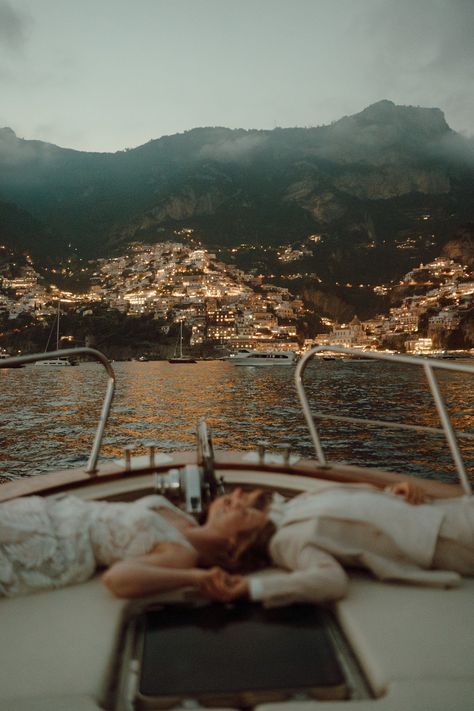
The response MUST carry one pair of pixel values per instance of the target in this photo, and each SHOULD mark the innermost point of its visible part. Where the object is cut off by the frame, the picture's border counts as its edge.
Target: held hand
(216, 584)
(411, 493)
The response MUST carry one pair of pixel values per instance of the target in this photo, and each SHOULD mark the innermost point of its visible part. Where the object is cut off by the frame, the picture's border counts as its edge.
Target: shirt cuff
(255, 588)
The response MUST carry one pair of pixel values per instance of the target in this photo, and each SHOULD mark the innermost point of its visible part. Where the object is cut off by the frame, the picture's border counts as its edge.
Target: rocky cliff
(377, 180)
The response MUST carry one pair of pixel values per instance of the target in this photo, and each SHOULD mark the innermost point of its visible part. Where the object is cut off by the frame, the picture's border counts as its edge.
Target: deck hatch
(237, 654)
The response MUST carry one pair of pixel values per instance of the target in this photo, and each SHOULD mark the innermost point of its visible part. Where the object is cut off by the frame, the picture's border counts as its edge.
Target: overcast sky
(108, 74)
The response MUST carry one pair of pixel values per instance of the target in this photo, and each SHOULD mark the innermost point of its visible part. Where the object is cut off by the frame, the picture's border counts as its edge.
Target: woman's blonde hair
(252, 551)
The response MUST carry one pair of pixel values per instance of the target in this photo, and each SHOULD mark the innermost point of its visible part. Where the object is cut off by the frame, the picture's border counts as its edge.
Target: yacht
(246, 356)
(55, 363)
(384, 647)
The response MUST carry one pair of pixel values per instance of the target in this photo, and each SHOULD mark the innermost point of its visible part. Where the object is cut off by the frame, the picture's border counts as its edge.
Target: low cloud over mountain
(369, 181)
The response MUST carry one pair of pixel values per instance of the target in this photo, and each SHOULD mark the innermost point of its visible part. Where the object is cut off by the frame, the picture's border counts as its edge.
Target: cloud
(13, 27)
(233, 149)
(18, 153)
(420, 53)
(457, 148)
(11, 154)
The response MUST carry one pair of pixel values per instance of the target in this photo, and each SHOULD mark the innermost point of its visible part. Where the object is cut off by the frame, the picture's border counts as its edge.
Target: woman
(395, 534)
(147, 546)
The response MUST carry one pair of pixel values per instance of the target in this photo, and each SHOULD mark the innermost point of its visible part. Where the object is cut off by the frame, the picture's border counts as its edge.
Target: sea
(49, 416)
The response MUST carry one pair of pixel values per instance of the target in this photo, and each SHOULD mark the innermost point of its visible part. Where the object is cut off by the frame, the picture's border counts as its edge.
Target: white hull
(54, 363)
(263, 358)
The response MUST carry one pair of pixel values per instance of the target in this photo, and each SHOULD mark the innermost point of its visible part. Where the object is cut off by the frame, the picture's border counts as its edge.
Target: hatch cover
(236, 655)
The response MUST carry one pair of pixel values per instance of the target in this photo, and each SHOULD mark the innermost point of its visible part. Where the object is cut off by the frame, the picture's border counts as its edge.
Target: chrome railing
(109, 393)
(428, 365)
(205, 456)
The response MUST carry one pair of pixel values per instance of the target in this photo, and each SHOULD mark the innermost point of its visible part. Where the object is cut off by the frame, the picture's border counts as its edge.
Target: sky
(104, 75)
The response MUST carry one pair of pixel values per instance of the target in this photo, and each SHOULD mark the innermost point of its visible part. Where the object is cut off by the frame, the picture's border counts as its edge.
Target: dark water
(48, 418)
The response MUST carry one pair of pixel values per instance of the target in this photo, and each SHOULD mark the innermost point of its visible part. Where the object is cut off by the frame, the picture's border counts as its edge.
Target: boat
(247, 356)
(179, 357)
(384, 647)
(55, 362)
(446, 355)
(359, 356)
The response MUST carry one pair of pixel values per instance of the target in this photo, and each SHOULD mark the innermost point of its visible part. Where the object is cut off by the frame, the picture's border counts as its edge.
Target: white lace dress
(50, 543)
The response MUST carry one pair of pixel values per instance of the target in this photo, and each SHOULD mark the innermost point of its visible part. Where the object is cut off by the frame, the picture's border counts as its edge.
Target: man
(395, 534)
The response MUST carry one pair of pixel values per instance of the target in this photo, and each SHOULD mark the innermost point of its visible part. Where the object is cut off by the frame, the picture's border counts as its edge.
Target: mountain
(20, 230)
(384, 187)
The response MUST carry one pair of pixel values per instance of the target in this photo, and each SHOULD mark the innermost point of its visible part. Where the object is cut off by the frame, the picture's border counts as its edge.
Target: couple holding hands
(150, 546)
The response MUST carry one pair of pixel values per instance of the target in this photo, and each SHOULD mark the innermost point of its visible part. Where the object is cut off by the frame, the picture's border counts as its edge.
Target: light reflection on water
(49, 418)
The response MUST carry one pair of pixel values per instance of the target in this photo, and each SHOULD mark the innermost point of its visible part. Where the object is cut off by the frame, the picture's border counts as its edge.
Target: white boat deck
(54, 659)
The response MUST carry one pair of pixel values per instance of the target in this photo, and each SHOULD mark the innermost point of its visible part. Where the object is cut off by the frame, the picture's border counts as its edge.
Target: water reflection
(49, 419)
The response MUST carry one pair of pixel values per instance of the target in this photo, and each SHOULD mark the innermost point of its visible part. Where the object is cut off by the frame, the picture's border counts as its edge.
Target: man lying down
(395, 533)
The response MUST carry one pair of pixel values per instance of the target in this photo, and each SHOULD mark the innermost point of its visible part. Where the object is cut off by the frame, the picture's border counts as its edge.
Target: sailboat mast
(180, 339)
(57, 325)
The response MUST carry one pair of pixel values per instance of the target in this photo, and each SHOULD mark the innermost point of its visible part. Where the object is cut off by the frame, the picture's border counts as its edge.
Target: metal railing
(428, 365)
(15, 361)
(205, 457)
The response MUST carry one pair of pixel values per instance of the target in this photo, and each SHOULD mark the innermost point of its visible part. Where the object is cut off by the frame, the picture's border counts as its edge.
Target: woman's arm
(132, 578)
(170, 567)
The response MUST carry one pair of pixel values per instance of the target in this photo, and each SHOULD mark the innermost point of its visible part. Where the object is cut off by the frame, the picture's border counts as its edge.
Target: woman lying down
(150, 546)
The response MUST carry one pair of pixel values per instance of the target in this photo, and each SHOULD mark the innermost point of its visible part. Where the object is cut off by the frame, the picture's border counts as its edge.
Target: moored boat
(64, 362)
(55, 362)
(178, 356)
(246, 356)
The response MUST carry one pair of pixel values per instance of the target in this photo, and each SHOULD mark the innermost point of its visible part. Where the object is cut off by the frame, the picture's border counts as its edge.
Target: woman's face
(254, 498)
(234, 513)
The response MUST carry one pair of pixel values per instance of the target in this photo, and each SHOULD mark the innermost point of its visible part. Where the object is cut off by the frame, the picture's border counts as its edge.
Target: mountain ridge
(366, 179)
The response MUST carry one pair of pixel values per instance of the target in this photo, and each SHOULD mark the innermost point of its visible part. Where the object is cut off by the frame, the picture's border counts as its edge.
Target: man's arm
(407, 490)
(316, 577)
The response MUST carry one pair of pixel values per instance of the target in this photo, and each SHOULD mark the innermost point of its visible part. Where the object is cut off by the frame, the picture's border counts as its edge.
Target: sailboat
(181, 358)
(56, 362)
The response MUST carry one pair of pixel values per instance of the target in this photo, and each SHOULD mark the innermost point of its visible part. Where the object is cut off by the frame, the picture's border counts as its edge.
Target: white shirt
(351, 525)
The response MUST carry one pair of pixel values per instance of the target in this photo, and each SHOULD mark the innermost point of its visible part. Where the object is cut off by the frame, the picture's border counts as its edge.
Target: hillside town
(221, 304)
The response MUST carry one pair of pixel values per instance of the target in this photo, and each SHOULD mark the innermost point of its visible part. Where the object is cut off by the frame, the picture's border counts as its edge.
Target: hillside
(21, 231)
(386, 188)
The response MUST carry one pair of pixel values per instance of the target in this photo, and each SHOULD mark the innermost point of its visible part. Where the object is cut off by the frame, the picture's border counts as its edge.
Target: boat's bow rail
(195, 477)
(16, 361)
(428, 365)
